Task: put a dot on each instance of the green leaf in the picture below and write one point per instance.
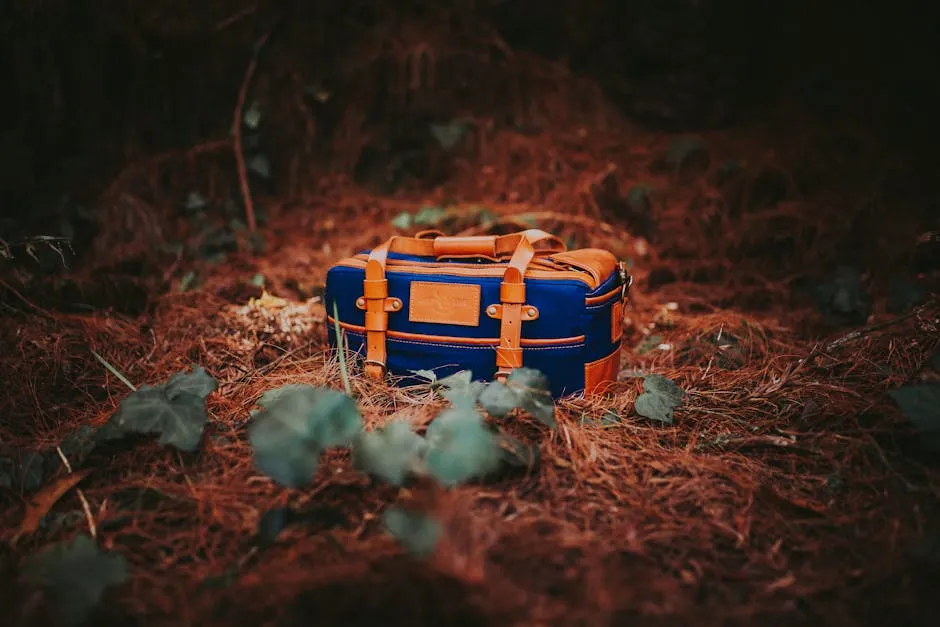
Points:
(660, 399)
(258, 280)
(425, 374)
(417, 532)
(460, 447)
(402, 221)
(647, 344)
(390, 452)
(76, 574)
(78, 444)
(517, 453)
(460, 389)
(448, 135)
(272, 523)
(296, 423)
(429, 216)
(176, 411)
(260, 165)
(526, 389)
(252, 116)
(921, 405)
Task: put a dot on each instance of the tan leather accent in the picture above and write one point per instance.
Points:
(601, 374)
(521, 245)
(512, 293)
(447, 339)
(593, 300)
(375, 291)
(391, 304)
(444, 246)
(444, 303)
(599, 263)
(616, 321)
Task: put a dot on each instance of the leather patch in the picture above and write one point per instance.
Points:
(600, 375)
(599, 263)
(444, 303)
(616, 321)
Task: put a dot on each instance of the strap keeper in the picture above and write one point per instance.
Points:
(375, 288)
(512, 293)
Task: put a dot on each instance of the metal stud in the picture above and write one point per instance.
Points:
(360, 302)
(396, 304)
(530, 312)
(491, 310)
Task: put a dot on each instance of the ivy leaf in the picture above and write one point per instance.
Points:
(175, 410)
(526, 389)
(447, 135)
(272, 523)
(260, 165)
(402, 221)
(296, 423)
(78, 444)
(517, 453)
(921, 405)
(76, 574)
(417, 532)
(660, 399)
(460, 447)
(429, 216)
(426, 374)
(460, 389)
(389, 452)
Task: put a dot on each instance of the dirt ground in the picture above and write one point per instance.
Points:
(773, 267)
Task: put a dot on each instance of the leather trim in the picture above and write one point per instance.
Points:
(444, 303)
(616, 321)
(594, 300)
(600, 375)
(599, 263)
(446, 339)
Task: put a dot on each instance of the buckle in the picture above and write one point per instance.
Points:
(372, 362)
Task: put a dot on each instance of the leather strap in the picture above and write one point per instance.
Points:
(522, 247)
(512, 298)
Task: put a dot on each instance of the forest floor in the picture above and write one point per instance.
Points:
(789, 489)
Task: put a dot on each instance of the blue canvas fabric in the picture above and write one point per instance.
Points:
(563, 314)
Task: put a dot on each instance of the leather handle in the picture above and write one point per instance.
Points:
(453, 246)
(522, 247)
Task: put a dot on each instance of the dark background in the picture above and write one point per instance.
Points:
(88, 84)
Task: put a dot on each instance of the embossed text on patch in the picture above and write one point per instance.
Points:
(444, 303)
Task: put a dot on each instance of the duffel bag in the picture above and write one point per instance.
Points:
(487, 304)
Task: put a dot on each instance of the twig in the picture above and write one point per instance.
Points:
(236, 17)
(341, 349)
(114, 371)
(92, 529)
(237, 131)
(859, 333)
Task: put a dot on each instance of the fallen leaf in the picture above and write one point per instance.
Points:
(416, 531)
(43, 501)
(296, 424)
(526, 389)
(76, 574)
(660, 399)
(460, 447)
(175, 410)
(389, 453)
